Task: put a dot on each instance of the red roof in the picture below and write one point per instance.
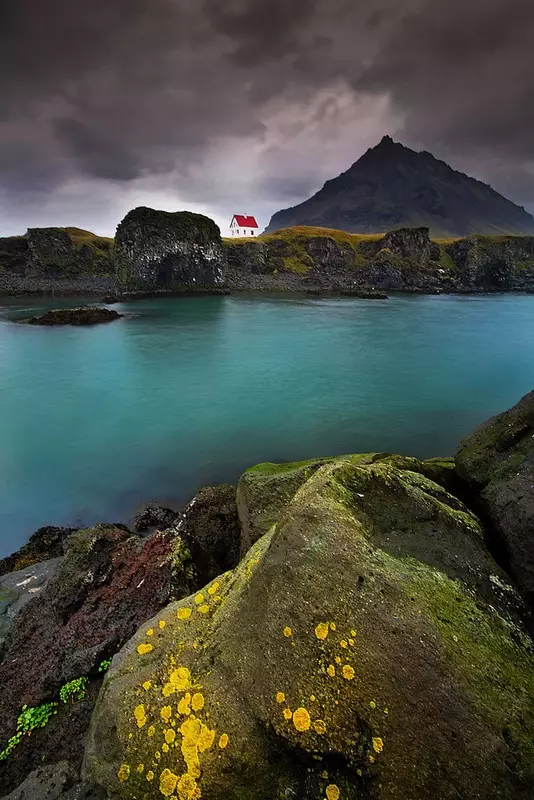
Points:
(245, 222)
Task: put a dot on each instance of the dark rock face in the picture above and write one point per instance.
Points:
(55, 782)
(391, 186)
(75, 316)
(107, 585)
(497, 461)
(46, 543)
(180, 252)
(154, 516)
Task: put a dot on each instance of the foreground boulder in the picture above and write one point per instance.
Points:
(497, 461)
(46, 543)
(75, 316)
(174, 252)
(364, 647)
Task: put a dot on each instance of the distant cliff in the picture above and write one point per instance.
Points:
(162, 251)
(391, 186)
(56, 261)
(318, 259)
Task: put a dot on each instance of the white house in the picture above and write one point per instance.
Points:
(242, 225)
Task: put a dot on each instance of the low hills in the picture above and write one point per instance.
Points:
(391, 186)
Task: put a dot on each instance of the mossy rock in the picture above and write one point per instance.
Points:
(332, 662)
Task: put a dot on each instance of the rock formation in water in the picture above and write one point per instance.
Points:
(339, 629)
(391, 186)
(162, 251)
(86, 315)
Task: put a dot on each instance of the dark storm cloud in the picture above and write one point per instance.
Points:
(205, 95)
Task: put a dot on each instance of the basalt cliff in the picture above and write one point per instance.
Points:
(156, 252)
(347, 628)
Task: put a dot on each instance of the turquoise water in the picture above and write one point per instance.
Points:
(184, 392)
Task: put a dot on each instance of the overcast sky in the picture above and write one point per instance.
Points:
(248, 106)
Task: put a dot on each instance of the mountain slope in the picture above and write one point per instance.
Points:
(391, 186)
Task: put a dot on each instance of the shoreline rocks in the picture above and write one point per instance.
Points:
(75, 316)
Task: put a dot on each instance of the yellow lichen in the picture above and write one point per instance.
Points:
(331, 670)
(183, 705)
(351, 642)
(167, 782)
(150, 632)
(151, 731)
(187, 788)
(144, 648)
(353, 633)
(197, 702)
(124, 772)
(301, 720)
(206, 738)
(372, 704)
(324, 774)
(150, 775)
(184, 613)
(378, 744)
(180, 678)
(140, 768)
(147, 685)
(223, 741)
(166, 713)
(372, 759)
(213, 588)
(288, 632)
(332, 626)
(280, 697)
(168, 689)
(170, 735)
(338, 659)
(287, 713)
(332, 792)
(320, 726)
(165, 747)
(203, 609)
(386, 711)
(162, 623)
(343, 643)
(321, 631)
(313, 698)
(157, 755)
(199, 599)
(348, 672)
(140, 715)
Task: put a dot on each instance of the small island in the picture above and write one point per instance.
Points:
(75, 316)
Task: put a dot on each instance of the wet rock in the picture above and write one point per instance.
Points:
(355, 652)
(46, 783)
(46, 543)
(75, 316)
(497, 461)
(110, 299)
(154, 516)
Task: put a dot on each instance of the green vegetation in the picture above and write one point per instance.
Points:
(105, 665)
(29, 719)
(74, 690)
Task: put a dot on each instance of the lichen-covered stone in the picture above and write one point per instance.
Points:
(349, 655)
(159, 250)
(497, 461)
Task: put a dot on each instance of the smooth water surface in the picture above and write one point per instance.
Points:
(190, 391)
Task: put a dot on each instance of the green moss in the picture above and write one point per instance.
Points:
(294, 264)
(445, 260)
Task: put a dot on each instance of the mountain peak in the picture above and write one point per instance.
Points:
(392, 186)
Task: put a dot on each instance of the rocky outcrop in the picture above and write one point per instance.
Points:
(55, 782)
(86, 315)
(176, 252)
(497, 461)
(154, 516)
(56, 261)
(366, 646)
(46, 543)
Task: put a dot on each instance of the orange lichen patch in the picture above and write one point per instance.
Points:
(147, 685)
(333, 626)
(301, 720)
(319, 726)
(187, 788)
(190, 731)
(140, 715)
(151, 731)
(331, 670)
(280, 697)
(167, 782)
(348, 672)
(124, 772)
(288, 632)
(206, 738)
(184, 613)
(343, 643)
(372, 704)
(180, 678)
(287, 713)
(332, 792)
(140, 768)
(162, 623)
(184, 705)
(338, 659)
(150, 775)
(378, 744)
(203, 609)
(166, 713)
(321, 631)
(144, 648)
(150, 632)
(197, 702)
(170, 735)
(199, 599)
(213, 588)
(223, 741)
